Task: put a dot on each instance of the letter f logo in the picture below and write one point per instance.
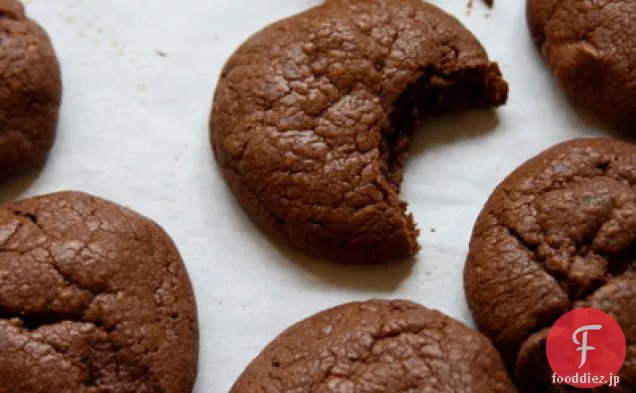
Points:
(583, 345)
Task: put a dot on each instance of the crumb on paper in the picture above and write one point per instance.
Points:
(141, 87)
(161, 53)
(489, 3)
(433, 230)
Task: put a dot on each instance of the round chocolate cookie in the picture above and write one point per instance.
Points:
(590, 47)
(94, 298)
(558, 234)
(377, 347)
(30, 91)
(313, 117)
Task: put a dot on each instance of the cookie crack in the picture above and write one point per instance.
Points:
(68, 278)
(29, 216)
(71, 281)
(548, 318)
(35, 320)
(613, 261)
(385, 333)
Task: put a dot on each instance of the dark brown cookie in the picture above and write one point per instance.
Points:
(94, 298)
(377, 347)
(559, 233)
(590, 47)
(30, 91)
(313, 116)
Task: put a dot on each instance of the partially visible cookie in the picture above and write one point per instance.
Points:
(313, 116)
(377, 347)
(30, 91)
(94, 298)
(590, 47)
(559, 233)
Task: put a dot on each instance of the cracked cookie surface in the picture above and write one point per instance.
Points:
(558, 234)
(377, 347)
(30, 90)
(94, 298)
(590, 47)
(313, 116)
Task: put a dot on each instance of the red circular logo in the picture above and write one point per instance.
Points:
(586, 348)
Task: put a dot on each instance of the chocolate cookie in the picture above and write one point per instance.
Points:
(93, 298)
(590, 47)
(559, 233)
(313, 117)
(30, 90)
(377, 347)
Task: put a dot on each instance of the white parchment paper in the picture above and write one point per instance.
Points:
(138, 80)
